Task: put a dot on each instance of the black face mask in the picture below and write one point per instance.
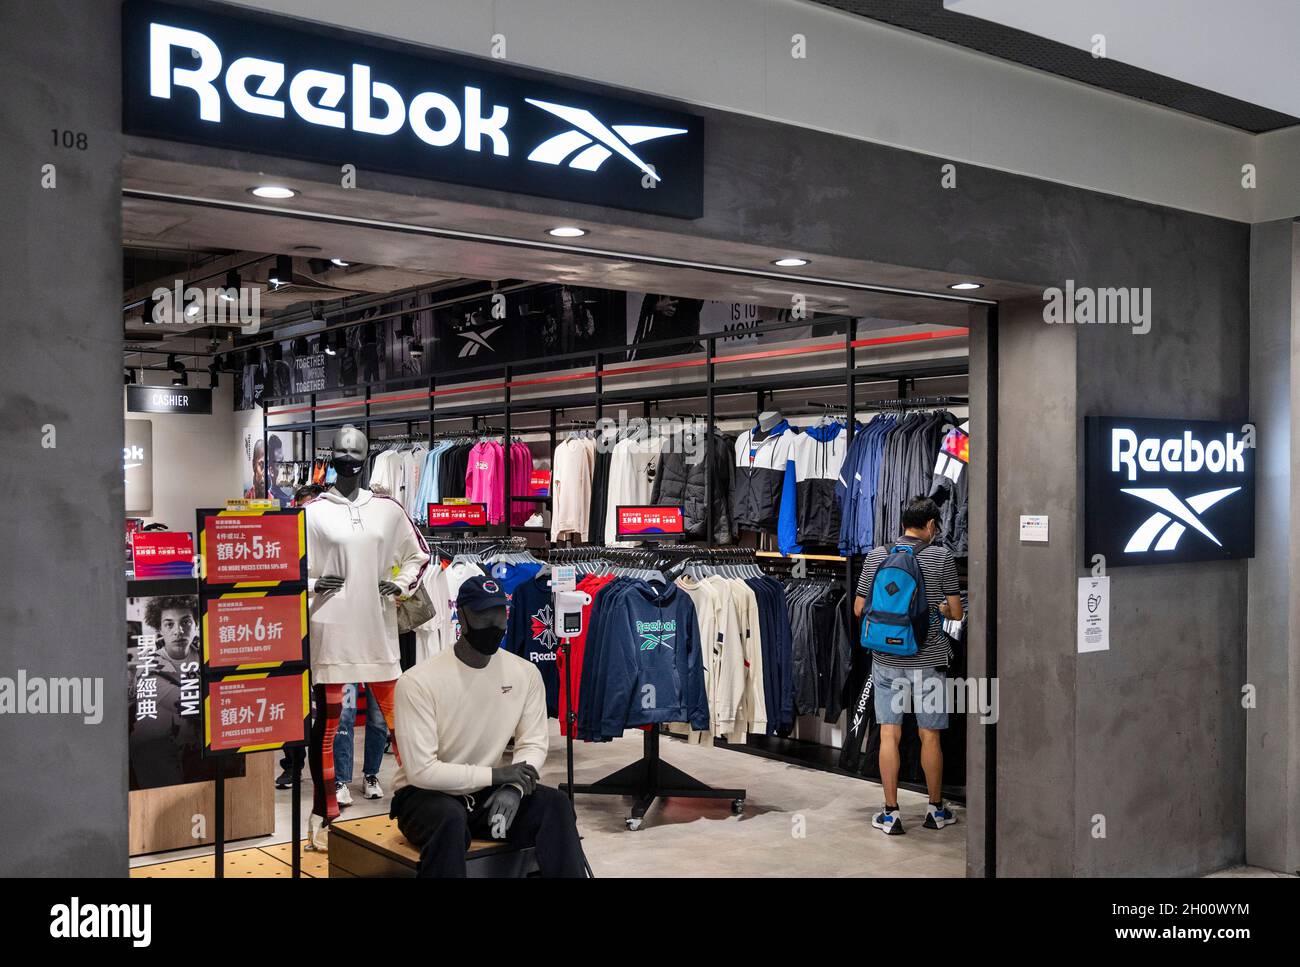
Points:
(346, 466)
(485, 641)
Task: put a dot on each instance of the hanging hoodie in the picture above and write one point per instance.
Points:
(818, 454)
(763, 494)
(354, 629)
(651, 669)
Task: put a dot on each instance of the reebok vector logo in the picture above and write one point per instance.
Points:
(1163, 528)
(474, 341)
(590, 143)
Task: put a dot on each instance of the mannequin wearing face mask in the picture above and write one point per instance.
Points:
(362, 552)
(456, 712)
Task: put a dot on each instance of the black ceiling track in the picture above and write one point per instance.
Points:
(929, 17)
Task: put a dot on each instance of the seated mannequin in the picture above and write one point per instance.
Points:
(455, 713)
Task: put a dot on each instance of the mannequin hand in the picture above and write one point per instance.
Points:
(502, 806)
(521, 774)
(389, 588)
(329, 583)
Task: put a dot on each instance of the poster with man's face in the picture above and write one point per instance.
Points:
(164, 697)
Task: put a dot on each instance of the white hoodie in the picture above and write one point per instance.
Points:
(354, 629)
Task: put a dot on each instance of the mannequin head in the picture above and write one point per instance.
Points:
(348, 451)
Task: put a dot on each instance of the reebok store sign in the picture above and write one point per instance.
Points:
(274, 86)
(1168, 491)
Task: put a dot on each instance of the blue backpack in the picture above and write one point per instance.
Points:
(897, 617)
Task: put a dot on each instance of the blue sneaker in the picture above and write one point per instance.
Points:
(937, 817)
(888, 822)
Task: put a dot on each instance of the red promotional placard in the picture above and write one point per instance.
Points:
(252, 547)
(539, 483)
(162, 554)
(250, 713)
(255, 629)
(656, 522)
(457, 516)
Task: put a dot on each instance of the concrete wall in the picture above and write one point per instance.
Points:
(1159, 731)
(64, 803)
(860, 79)
(1273, 634)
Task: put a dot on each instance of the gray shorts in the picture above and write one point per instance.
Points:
(895, 691)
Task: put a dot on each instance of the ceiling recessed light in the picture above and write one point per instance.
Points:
(341, 263)
(306, 249)
(279, 192)
(966, 285)
(789, 262)
(567, 231)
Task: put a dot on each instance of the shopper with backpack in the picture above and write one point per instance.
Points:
(905, 592)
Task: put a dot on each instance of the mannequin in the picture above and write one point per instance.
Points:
(766, 420)
(458, 713)
(362, 551)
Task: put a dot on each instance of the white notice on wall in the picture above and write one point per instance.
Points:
(1033, 527)
(1094, 614)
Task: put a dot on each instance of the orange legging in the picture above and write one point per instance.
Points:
(329, 703)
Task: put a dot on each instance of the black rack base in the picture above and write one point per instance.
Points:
(651, 778)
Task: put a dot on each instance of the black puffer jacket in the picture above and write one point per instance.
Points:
(680, 479)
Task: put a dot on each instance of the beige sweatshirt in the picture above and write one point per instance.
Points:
(453, 722)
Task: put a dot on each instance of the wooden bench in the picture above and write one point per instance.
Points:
(375, 847)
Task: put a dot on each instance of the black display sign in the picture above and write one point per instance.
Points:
(1168, 491)
(263, 84)
(168, 399)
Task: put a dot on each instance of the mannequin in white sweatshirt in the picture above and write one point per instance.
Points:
(362, 552)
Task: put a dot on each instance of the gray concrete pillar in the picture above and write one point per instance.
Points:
(62, 591)
(1273, 615)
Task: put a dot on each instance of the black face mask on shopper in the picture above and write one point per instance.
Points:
(346, 466)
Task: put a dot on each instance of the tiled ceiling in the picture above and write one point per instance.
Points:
(929, 17)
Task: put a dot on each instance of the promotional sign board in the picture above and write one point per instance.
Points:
(457, 516)
(255, 629)
(168, 399)
(252, 547)
(539, 483)
(162, 554)
(1168, 491)
(656, 522)
(257, 711)
(254, 82)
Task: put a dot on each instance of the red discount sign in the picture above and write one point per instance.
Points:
(539, 483)
(255, 629)
(250, 713)
(457, 516)
(162, 554)
(656, 522)
(252, 547)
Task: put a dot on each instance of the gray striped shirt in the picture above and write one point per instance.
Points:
(939, 569)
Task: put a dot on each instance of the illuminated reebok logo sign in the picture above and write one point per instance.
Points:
(1162, 491)
(592, 143)
(250, 81)
(1172, 520)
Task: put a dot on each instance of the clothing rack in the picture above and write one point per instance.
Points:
(916, 402)
(649, 778)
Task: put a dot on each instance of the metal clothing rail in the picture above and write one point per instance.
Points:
(848, 374)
